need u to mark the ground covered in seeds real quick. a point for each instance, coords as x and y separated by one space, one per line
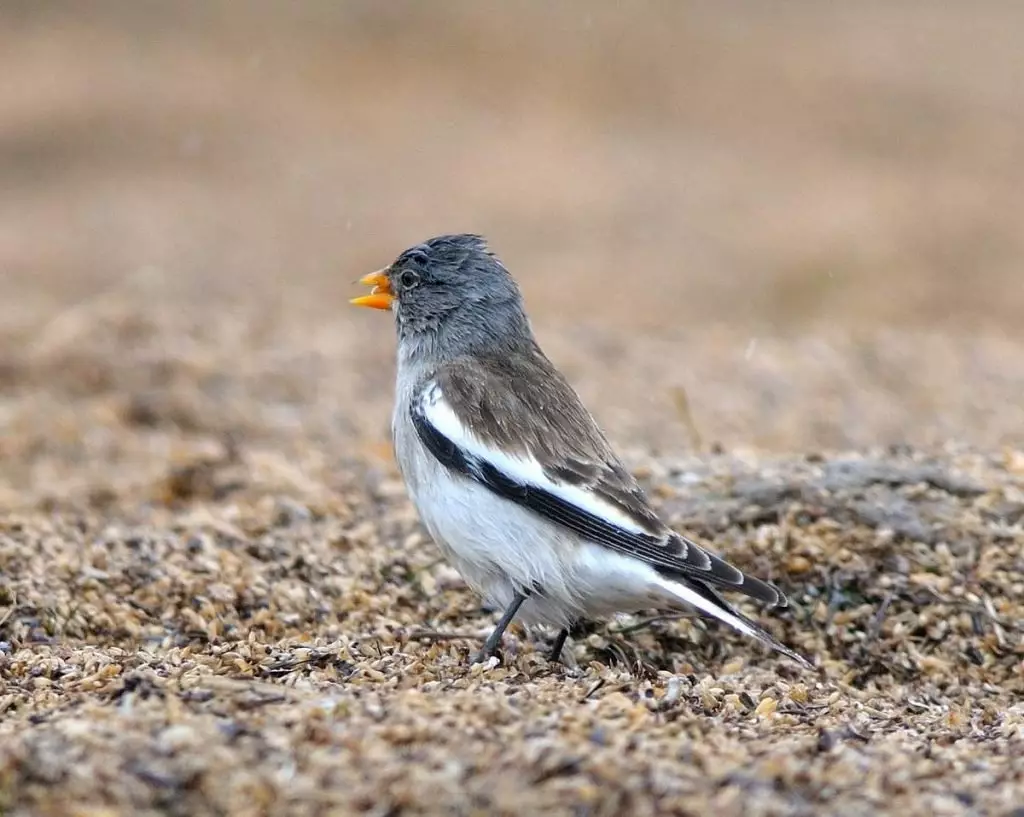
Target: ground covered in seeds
743 237
230 642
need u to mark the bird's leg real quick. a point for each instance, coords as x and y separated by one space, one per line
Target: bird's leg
556 648
491 644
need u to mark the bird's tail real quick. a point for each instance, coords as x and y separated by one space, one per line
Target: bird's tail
699 595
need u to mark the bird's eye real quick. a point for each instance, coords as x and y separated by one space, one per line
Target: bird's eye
408 279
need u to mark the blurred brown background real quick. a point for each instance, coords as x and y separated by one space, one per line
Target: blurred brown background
808 217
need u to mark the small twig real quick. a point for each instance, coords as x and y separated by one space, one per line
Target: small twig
640 625
997 628
800 709
876 622
259 700
10 610
433 635
593 689
834 600
289 663
682 403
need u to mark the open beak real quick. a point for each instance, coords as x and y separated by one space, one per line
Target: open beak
380 296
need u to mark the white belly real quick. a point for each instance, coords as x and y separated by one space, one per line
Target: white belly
499 547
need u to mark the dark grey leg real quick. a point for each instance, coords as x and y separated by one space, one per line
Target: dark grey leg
556 648
491 644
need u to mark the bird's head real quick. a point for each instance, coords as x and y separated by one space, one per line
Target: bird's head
449 294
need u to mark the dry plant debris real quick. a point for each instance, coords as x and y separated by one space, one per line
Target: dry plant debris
261 650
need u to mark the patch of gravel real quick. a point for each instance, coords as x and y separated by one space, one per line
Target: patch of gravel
223 641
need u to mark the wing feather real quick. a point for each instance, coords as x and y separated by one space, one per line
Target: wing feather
592 507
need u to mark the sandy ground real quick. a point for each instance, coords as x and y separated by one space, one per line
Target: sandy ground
778 252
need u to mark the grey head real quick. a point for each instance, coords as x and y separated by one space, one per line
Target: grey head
451 296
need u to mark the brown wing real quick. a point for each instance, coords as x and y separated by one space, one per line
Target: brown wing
520 404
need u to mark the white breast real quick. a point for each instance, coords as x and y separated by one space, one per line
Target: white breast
498 546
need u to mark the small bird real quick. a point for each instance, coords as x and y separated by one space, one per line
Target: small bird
511 475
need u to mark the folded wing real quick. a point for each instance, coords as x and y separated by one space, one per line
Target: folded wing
595 498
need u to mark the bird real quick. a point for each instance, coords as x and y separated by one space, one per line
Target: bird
511 475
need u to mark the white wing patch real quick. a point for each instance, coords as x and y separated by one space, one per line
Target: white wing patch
691 597
524 470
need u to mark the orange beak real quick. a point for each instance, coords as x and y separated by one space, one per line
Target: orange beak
380 296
